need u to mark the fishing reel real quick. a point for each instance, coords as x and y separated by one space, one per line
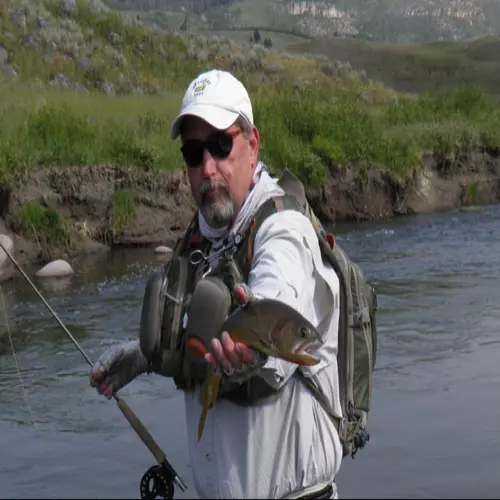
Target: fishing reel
157 482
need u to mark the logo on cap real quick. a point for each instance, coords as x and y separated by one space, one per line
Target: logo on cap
200 86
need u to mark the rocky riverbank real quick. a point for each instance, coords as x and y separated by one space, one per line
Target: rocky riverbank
91 218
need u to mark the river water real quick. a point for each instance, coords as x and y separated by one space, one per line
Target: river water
436 401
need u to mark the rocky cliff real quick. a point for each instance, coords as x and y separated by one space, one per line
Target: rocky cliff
402 20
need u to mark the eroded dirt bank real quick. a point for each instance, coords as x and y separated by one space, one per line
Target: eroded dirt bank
163 205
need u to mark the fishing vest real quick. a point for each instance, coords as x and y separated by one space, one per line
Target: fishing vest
233 267
169 311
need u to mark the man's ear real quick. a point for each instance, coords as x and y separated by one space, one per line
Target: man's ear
254 143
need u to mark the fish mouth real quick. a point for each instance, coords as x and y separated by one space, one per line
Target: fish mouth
301 357
302 348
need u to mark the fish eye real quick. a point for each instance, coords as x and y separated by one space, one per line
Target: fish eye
304 332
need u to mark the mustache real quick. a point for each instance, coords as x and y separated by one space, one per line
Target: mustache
208 184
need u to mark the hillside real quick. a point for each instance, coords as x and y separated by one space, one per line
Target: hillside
93 54
416 68
83 45
88 96
311 112
402 21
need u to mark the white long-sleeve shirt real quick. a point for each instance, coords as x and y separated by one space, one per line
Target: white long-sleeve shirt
283 447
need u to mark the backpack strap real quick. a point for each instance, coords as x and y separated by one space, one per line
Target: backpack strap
290 201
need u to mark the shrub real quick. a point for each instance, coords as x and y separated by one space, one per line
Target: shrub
45 225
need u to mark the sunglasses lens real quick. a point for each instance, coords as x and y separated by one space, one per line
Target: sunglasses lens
219 145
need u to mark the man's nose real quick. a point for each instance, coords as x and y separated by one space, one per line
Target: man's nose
209 165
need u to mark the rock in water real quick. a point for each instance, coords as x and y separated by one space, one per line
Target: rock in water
163 249
55 269
471 208
7 242
6 267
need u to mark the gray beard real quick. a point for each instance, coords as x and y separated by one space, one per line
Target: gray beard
218 214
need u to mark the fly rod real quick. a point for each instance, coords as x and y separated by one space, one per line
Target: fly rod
161 484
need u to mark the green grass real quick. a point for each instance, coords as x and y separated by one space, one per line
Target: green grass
304 130
123 210
45 225
417 68
311 131
311 116
471 192
68 128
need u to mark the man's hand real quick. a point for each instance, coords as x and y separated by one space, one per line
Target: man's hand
231 356
116 367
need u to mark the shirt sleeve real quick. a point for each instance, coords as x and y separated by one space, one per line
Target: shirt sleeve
283 269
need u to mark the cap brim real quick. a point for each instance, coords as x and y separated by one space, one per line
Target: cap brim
215 116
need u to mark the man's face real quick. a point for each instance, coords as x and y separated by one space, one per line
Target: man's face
219 183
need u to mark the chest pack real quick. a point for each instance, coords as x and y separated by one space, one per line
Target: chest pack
164 332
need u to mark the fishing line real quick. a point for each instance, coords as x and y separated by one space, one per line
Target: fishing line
18 368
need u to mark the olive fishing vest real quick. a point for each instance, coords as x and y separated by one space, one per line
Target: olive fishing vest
233 267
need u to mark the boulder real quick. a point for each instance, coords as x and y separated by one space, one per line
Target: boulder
4 56
83 64
108 89
69 7
55 269
162 249
8 70
6 266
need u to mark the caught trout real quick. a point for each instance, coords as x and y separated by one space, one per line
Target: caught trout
268 326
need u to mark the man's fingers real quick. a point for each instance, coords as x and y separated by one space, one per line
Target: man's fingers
244 352
210 359
97 375
241 294
219 355
96 379
228 346
109 391
228 355
102 387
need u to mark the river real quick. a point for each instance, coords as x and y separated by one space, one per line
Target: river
436 406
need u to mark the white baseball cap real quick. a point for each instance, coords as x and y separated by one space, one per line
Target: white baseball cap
217 97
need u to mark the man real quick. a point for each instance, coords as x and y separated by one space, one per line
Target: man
286 447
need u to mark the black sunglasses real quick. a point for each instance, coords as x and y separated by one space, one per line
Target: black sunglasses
219 145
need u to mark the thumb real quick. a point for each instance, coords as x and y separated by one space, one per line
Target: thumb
242 294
